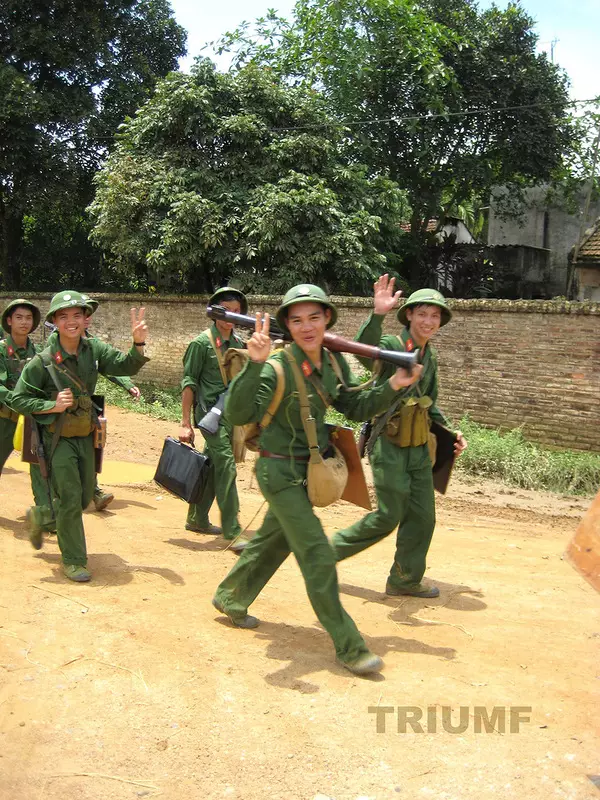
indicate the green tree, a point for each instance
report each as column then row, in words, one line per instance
column 447, row 100
column 70, row 72
column 225, row 178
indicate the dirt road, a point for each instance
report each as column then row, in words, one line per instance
column 133, row 686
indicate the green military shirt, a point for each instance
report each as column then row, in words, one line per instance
column 201, row 368
column 370, row 332
column 12, row 361
column 35, row 390
column 251, row 391
column 119, row 380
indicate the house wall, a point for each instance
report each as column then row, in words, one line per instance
column 563, row 231
column 534, row 364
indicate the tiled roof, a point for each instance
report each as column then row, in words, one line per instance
column 590, row 246
column 432, row 226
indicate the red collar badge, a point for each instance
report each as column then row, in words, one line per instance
column 306, row 369
column 58, row 357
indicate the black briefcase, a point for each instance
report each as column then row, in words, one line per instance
column 182, row 470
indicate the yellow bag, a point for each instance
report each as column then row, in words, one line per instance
column 18, row 434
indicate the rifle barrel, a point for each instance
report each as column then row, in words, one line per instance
column 332, row 341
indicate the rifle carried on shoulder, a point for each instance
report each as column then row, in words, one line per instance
column 337, row 344
column 333, row 342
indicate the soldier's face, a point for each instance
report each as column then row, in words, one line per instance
column 424, row 321
column 20, row 321
column 70, row 323
column 307, row 323
column 233, row 306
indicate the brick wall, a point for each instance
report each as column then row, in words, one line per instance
column 506, row 363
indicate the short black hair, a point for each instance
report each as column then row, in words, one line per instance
column 229, row 297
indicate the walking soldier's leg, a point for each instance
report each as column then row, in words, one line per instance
column 393, row 486
column 222, row 483
column 73, row 472
column 416, row 529
column 7, row 432
column 291, row 524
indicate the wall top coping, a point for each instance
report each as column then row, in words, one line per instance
column 559, row 306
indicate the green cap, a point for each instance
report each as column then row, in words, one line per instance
column 430, row 297
column 67, row 299
column 93, row 304
column 214, row 300
column 305, row 293
column 15, row 304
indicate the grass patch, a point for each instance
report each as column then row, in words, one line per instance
column 507, row 457
column 154, row 402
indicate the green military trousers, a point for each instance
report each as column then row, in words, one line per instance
column 73, row 474
column 220, row 482
column 404, row 484
column 291, row 525
column 7, row 431
column 38, row 485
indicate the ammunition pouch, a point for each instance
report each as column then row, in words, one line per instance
column 78, row 421
column 409, row 427
column 8, row 413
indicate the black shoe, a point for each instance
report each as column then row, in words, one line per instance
column 240, row 622
column 212, row 529
column 418, row 591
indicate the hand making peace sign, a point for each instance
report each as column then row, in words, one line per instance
column 259, row 344
column 139, row 329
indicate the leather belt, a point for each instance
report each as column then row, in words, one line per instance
column 267, row 454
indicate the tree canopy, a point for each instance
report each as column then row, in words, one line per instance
column 238, row 177
column 70, row 72
column 445, row 99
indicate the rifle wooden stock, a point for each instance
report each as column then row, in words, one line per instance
column 332, row 341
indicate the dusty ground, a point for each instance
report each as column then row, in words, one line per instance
column 133, row 686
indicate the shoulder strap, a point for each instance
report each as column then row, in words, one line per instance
column 219, row 356
column 277, row 394
column 308, row 421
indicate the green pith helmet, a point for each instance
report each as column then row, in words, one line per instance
column 67, row 299
column 305, row 293
column 430, row 297
column 15, row 304
column 93, row 304
column 214, row 300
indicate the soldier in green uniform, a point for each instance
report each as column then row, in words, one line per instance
column 290, row 524
column 56, row 387
column 204, row 380
column 101, row 498
column 402, row 469
column 19, row 319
